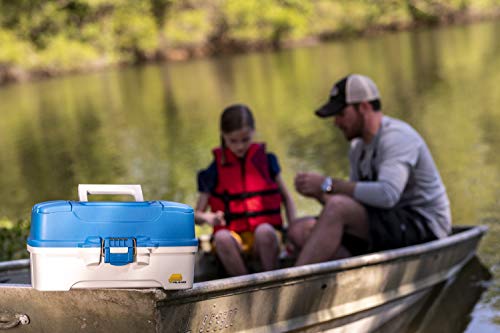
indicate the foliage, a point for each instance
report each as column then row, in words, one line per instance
column 66, row 35
column 188, row 27
column 135, row 30
column 64, row 54
column 257, row 20
column 13, row 239
column 14, row 52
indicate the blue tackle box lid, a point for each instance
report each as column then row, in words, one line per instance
column 87, row 224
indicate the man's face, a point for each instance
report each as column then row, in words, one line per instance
column 350, row 122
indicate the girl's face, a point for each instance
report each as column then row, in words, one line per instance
column 239, row 141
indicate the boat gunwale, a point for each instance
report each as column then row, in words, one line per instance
column 283, row 275
column 14, row 264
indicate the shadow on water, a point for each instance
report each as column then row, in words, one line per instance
column 101, row 162
column 173, row 129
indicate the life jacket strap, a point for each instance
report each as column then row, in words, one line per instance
column 245, row 195
column 234, row 216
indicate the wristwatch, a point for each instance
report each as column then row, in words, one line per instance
column 327, row 186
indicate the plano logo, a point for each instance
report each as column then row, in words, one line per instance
column 176, row 278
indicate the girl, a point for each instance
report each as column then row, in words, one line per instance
column 244, row 190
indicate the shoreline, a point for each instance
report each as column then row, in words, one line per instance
column 13, row 75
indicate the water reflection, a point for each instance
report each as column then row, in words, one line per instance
column 173, row 131
column 156, row 125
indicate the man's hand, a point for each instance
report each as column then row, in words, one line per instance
column 309, row 184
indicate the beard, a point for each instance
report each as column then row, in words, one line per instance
column 356, row 130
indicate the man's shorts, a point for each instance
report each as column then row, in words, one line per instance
column 390, row 229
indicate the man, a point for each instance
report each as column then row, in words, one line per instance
column 394, row 197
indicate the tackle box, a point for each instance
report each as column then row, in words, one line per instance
column 112, row 244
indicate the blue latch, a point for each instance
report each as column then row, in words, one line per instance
column 118, row 251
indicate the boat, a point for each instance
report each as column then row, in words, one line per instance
column 380, row 292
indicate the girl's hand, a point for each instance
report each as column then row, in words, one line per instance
column 217, row 218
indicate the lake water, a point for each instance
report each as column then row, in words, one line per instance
column 155, row 125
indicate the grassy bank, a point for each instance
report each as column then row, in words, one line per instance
column 13, row 237
column 46, row 38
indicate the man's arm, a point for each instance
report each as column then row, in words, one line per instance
column 385, row 192
column 309, row 185
column 345, row 187
column 398, row 153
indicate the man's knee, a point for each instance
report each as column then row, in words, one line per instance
column 338, row 201
column 343, row 206
column 348, row 212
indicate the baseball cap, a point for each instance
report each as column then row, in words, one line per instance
column 353, row 88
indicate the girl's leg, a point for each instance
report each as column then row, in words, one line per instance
column 266, row 246
column 229, row 252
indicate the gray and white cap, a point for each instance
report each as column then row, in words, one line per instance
column 354, row 88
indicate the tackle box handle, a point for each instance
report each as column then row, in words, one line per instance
column 85, row 189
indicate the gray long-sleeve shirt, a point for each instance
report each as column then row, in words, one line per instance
column 396, row 169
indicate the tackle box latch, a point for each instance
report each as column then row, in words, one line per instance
column 118, row 251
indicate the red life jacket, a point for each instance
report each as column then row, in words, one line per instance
column 245, row 191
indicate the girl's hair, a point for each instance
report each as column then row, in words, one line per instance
column 233, row 118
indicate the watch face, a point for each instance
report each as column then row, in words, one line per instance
column 327, row 185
